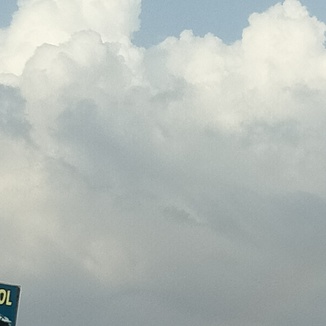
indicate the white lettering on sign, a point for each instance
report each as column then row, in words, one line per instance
column 5, row 297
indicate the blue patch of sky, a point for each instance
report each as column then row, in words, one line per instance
column 224, row 18
column 7, row 8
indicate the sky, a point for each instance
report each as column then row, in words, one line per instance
column 164, row 164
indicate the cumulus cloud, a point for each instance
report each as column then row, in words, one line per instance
column 182, row 184
column 53, row 22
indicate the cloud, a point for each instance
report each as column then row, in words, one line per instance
column 54, row 21
column 182, row 184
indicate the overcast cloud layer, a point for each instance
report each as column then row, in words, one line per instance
column 183, row 184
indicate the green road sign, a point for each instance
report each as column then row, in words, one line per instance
column 9, row 299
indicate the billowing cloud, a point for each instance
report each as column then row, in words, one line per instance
column 39, row 22
column 182, row 184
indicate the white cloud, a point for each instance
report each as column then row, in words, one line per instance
column 182, row 184
column 54, row 21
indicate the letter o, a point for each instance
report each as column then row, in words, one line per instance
column 3, row 295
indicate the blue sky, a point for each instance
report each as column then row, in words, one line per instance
column 6, row 10
column 224, row 18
